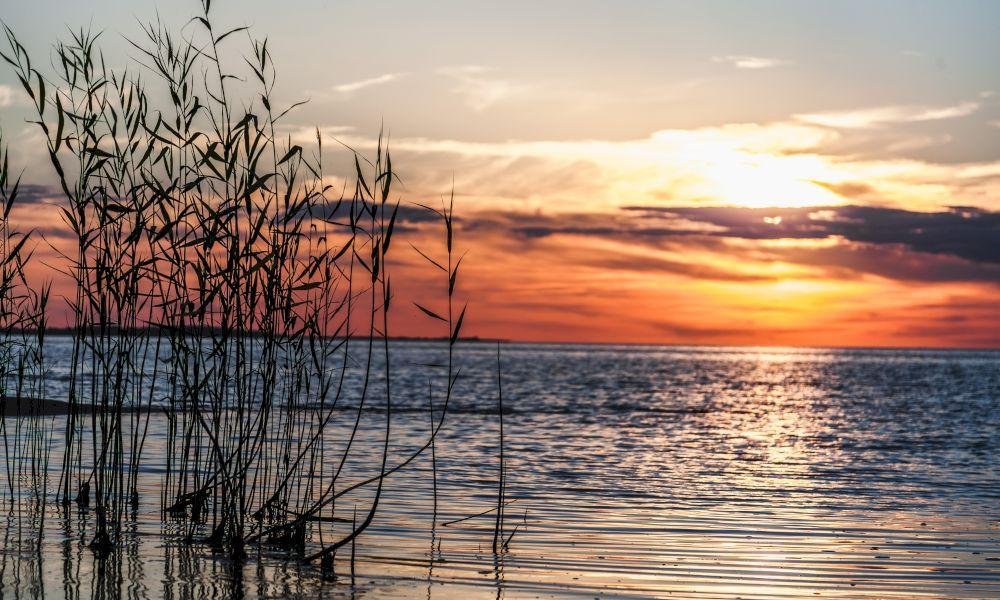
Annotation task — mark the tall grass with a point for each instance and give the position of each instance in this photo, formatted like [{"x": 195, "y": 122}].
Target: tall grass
[
  {"x": 217, "y": 278},
  {"x": 22, "y": 343}
]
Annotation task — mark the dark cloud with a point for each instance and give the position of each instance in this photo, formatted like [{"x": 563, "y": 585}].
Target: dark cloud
[
  {"x": 958, "y": 244},
  {"x": 965, "y": 232},
  {"x": 967, "y": 304},
  {"x": 34, "y": 194},
  {"x": 409, "y": 217},
  {"x": 894, "y": 261},
  {"x": 961, "y": 333},
  {"x": 50, "y": 232},
  {"x": 412, "y": 214},
  {"x": 850, "y": 189}
]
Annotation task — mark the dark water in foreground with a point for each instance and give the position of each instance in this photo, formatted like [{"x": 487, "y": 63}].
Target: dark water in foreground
[{"x": 636, "y": 472}]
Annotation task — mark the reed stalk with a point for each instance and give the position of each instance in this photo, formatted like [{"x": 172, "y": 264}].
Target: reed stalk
[{"x": 218, "y": 280}]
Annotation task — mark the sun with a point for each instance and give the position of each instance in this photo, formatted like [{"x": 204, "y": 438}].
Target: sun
[{"x": 749, "y": 165}]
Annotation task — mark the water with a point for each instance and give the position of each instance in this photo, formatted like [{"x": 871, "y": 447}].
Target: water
[{"x": 634, "y": 472}]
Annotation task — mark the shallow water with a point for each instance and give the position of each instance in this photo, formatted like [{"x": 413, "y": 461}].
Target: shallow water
[{"x": 635, "y": 472}]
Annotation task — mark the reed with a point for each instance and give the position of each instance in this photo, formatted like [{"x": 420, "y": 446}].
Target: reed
[
  {"x": 22, "y": 356},
  {"x": 501, "y": 474},
  {"x": 218, "y": 279}
]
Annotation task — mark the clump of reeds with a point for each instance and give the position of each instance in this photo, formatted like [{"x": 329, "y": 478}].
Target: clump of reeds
[
  {"x": 211, "y": 259},
  {"x": 22, "y": 343}
]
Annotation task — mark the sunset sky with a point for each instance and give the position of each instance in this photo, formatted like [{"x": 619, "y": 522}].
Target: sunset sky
[{"x": 767, "y": 173}]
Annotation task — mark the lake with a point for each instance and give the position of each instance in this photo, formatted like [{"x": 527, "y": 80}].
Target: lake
[{"x": 632, "y": 471}]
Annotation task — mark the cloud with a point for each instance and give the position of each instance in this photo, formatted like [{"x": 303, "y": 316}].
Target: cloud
[
  {"x": 619, "y": 262},
  {"x": 769, "y": 244},
  {"x": 7, "y": 96},
  {"x": 28, "y": 193},
  {"x": 848, "y": 189},
  {"x": 751, "y": 62},
  {"x": 407, "y": 215},
  {"x": 746, "y": 163},
  {"x": 964, "y": 232},
  {"x": 884, "y": 115},
  {"x": 344, "y": 91},
  {"x": 479, "y": 89},
  {"x": 782, "y": 163},
  {"x": 354, "y": 86}
]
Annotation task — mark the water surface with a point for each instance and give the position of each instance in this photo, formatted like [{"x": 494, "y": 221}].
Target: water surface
[{"x": 634, "y": 472}]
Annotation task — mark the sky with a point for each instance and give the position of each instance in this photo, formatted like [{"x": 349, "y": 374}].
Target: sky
[{"x": 763, "y": 173}]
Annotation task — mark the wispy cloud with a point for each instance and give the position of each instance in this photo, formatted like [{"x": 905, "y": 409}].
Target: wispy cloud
[
  {"x": 743, "y": 61},
  {"x": 479, "y": 89},
  {"x": 7, "y": 96},
  {"x": 786, "y": 163},
  {"x": 353, "y": 86},
  {"x": 344, "y": 91},
  {"x": 884, "y": 115}
]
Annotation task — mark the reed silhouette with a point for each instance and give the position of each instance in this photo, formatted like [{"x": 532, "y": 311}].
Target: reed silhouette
[{"x": 219, "y": 282}]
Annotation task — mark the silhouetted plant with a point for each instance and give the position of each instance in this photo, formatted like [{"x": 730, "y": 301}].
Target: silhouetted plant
[{"x": 219, "y": 279}]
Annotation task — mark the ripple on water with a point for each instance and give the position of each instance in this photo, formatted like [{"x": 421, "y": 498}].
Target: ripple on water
[{"x": 637, "y": 472}]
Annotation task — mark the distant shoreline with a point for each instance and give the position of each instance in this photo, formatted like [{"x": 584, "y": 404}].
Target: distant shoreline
[
  {"x": 66, "y": 331},
  {"x": 40, "y": 407},
  {"x": 69, "y": 331}
]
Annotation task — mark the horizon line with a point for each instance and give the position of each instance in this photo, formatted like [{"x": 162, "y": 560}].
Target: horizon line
[{"x": 67, "y": 332}]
